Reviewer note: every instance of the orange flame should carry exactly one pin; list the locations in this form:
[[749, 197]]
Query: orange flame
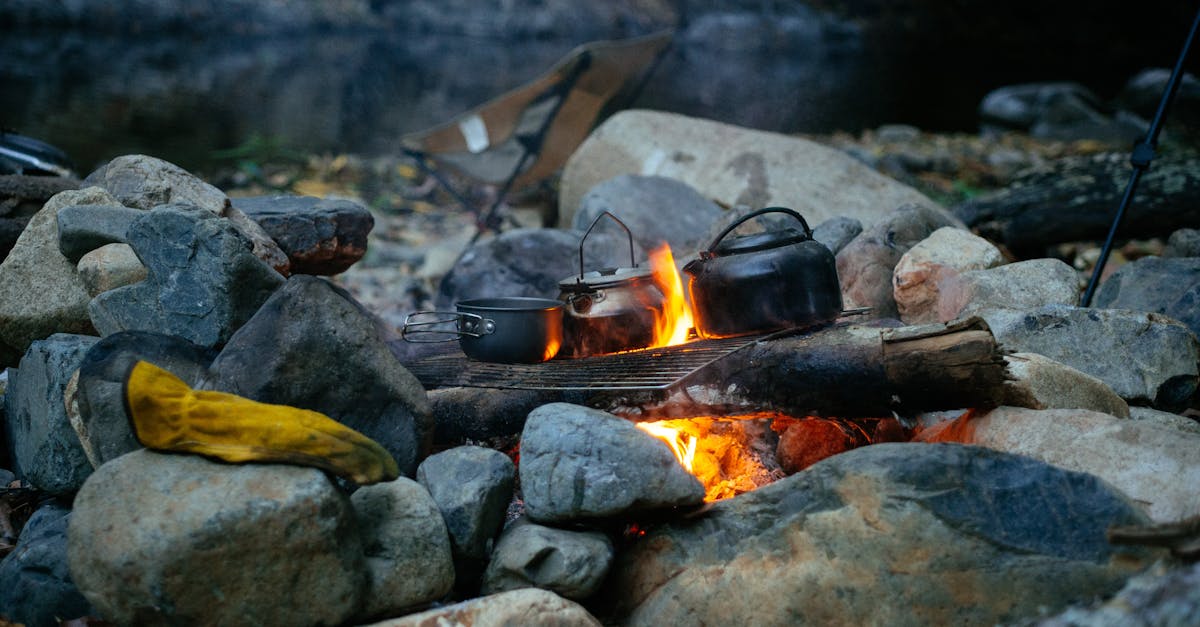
[[673, 324], [682, 444]]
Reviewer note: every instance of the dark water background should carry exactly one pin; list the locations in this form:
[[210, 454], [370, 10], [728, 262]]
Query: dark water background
[[185, 98]]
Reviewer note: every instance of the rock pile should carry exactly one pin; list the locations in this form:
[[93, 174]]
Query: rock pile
[[991, 515]]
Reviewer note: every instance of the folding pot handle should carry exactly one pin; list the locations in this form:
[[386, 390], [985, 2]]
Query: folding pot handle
[[628, 233], [708, 253], [466, 324]]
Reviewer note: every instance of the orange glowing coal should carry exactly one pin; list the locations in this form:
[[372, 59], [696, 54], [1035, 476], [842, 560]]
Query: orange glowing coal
[[717, 451], [675, 321]]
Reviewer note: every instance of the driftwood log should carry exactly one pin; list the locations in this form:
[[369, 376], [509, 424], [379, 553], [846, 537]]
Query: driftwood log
[[1075, 199], [847, 371]]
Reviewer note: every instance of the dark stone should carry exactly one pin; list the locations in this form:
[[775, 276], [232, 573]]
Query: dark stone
[[474, 414], [971, 536], [530, 262], [835, 233], [1063, 111], [37, 590], [46, 450], [204, 281], [1157, 285], [1183, 243], [571, 563], [656, 210], [323, 237], [312, 346], [84, 228], [472, 486], [106, 432]]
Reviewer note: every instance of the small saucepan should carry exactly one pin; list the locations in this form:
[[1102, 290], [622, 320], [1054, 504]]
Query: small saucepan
[[512, 329]]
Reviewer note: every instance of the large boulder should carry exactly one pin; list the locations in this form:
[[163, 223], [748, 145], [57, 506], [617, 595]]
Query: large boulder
[[36, 266], [894, 534], [733, 166], [529, 606], [1169, 286], [1157, 466], [579, 463], [176, 539], [45, 447], [204, 282], [656, 210], [311, 345], [1147, 359]]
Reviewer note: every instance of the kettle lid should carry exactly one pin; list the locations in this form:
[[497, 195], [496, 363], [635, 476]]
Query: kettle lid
[[602, 279], [758, 241]]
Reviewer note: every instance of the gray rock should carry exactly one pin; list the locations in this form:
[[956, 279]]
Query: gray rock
[[143, 182], [36, 266], [836, 232], [947, 252], [733, 166], [84, 228], [656, 210], [46, 450], [203, 283], [472, 487], [1155, 465], [972, 537], [1143, 92], [507, 609], [38, 591], [530, 262], [176, 539], [1166, 286], [1063, 111], [101, 421], [109, 267], [1183, 243], [1159, 596], [312, 346], [1144, 358], [318, 236], [579, 463], [1022, 285], [1166, 419], [407, 549], [865, 265], [569, 563], [1041, 383]]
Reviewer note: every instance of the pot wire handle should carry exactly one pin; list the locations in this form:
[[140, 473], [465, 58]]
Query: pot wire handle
[[468, 324], [708, 252], [628, 233]]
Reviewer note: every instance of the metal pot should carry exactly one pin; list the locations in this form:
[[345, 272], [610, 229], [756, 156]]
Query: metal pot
[[514, 329], [763, 282], [611, 309]]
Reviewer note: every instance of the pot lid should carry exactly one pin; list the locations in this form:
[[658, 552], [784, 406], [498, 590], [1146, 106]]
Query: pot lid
[[758, 241], [602, 279]]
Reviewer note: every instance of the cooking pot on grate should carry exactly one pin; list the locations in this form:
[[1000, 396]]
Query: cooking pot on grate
[[610, 309], [762, 282], [513, 329]]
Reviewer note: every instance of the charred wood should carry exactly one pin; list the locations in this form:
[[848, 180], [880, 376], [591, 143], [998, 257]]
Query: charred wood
[[1074, 199]]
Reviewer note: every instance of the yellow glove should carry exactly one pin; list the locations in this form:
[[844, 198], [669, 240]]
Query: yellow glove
[[168, 415]]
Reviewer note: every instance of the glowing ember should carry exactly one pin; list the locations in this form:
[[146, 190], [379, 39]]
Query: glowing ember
[[728, 455], [675, 321]]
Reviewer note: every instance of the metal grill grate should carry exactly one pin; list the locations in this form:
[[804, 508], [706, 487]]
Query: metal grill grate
[[645, 369]]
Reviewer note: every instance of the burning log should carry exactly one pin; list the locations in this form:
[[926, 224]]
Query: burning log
[[841, 371]]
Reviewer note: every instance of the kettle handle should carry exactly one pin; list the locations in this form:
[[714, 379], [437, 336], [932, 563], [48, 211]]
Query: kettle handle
[[708, 252], [627, 232]]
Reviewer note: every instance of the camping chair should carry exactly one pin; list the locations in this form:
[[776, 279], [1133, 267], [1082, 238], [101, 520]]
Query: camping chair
[[528, 133]]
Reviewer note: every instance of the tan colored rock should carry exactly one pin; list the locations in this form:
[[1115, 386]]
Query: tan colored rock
[[1022, 285], [733, 166], [529, 606], [109, 267], [1157, 466], [1042, 383], [41, 292], [947, 252]]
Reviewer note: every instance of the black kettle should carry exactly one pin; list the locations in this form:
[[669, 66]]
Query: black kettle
[[763, 282]]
